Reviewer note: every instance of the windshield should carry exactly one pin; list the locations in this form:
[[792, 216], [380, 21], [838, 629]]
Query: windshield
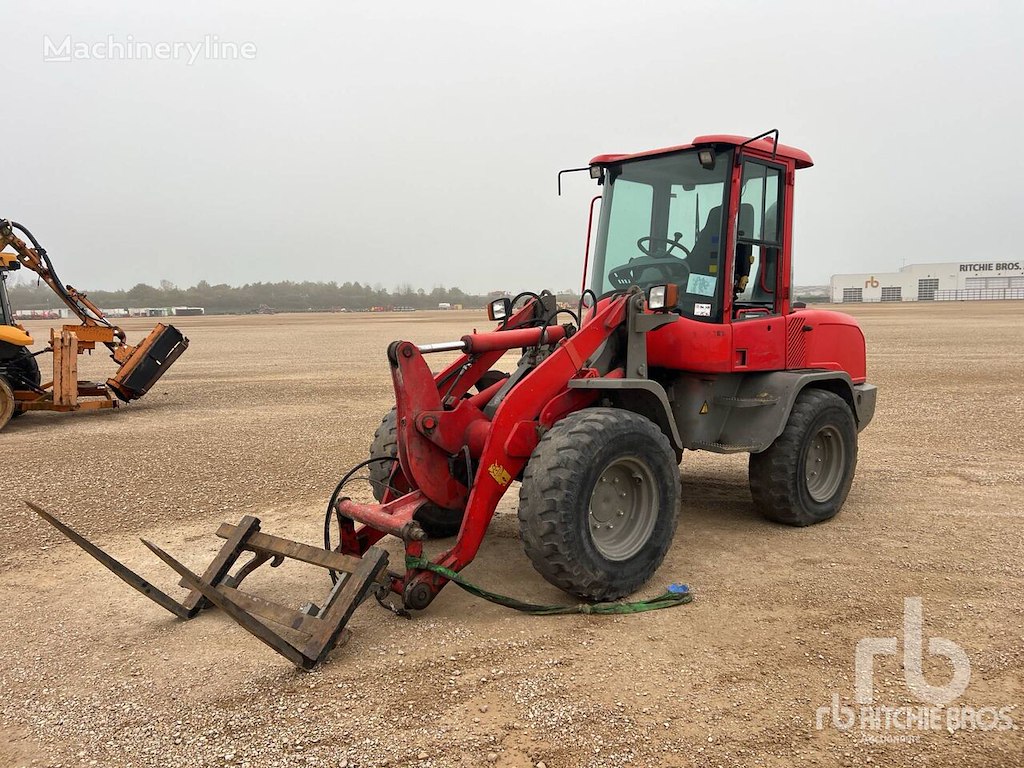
[[6, 316], [661, 222]]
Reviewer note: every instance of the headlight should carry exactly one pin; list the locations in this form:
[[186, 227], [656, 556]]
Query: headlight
[[663, 297], [499, 309]]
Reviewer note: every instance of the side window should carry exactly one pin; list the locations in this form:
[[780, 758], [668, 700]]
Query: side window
[[761, 192], [759, 235]]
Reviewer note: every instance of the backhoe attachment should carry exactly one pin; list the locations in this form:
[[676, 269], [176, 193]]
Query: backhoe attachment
[[139, 367]]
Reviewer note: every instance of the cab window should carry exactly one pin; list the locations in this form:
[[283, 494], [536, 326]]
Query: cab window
[[661, 222], [758, 237]]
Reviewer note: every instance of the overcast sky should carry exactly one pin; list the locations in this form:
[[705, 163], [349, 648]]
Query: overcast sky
[[414, 142]]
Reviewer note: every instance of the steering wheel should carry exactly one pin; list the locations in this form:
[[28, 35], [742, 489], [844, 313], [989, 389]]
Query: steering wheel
[[672, 270], [648, 250]]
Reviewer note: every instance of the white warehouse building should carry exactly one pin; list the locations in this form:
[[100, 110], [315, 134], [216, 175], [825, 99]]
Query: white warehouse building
[[957, 281]]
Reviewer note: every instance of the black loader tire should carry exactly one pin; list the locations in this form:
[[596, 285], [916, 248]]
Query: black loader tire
[[22, 368], [780, 480], [436, 522], [490, 378], [6, 402], [562, 508]]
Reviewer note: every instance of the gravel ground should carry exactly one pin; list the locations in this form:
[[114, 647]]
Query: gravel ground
[[264, 413]]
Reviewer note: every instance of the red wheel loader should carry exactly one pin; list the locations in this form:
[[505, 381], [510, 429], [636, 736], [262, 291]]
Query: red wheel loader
[[22, 388], [687, 339]]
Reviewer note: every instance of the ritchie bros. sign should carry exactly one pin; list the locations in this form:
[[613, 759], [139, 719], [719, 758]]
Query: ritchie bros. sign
[[992, 266]]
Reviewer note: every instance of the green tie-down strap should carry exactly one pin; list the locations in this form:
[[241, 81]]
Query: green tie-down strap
[[676, 594]]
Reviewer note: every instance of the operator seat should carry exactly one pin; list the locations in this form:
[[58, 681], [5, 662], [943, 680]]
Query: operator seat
[[708, 242], [707, 251], [707, 258]]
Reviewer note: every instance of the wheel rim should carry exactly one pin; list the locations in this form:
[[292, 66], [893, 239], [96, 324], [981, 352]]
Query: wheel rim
[[826, 458], [623, 508]]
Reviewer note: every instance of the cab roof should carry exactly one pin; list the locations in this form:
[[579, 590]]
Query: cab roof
[[801, 158]]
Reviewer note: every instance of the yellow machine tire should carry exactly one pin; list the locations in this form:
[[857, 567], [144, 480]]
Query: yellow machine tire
[[21, 368], [6, 403]]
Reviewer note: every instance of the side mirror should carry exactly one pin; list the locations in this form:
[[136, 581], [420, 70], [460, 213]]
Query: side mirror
[[499, 309]]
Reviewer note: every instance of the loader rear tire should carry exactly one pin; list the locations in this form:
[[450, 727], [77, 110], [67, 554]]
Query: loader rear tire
[[436, 522], [22, 368], [6, 402], [805, 475], [599, 502]]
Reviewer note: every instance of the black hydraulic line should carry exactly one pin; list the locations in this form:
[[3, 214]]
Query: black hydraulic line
[[512, 304], [575, 317], [60, 288], [583, 296], [457, 376], [334, 499]]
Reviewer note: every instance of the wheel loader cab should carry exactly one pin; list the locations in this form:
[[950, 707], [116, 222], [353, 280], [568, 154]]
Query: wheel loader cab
[[8, 261], [661, 222], [714, 218], [12, 335]]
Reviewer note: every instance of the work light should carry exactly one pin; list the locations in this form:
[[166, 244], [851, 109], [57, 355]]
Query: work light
[[663, 297], [499, 309]]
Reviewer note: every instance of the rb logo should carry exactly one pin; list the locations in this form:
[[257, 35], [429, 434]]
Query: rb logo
[[937, 695]]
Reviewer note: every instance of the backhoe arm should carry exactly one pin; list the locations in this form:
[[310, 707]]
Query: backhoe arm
[[36, 259]]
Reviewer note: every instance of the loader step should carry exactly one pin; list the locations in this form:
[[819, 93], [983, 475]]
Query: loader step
[[719, 447]]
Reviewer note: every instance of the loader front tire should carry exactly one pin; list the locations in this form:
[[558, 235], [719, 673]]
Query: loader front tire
[[598, 503], [436, 522], [805, 475]]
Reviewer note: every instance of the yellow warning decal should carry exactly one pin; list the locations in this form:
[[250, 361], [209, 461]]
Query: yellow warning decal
[[704, 408], [500, 474]]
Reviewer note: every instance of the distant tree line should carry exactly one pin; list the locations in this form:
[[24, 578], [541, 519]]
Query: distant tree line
[[284, 297]]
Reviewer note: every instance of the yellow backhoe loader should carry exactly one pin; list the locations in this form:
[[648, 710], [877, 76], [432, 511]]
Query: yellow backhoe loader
[[22, 388]]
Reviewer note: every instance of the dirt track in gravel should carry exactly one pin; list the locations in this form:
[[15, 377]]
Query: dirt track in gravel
[[264, 413]]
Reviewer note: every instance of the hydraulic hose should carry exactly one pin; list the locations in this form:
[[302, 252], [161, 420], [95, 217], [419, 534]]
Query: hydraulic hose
[[334, 500]]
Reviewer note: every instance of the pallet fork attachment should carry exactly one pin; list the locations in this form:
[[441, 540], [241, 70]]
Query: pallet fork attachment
[[318, 630]]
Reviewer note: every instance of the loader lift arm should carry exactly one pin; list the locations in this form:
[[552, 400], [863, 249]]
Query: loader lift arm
[[435, 411], [429, 427]]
